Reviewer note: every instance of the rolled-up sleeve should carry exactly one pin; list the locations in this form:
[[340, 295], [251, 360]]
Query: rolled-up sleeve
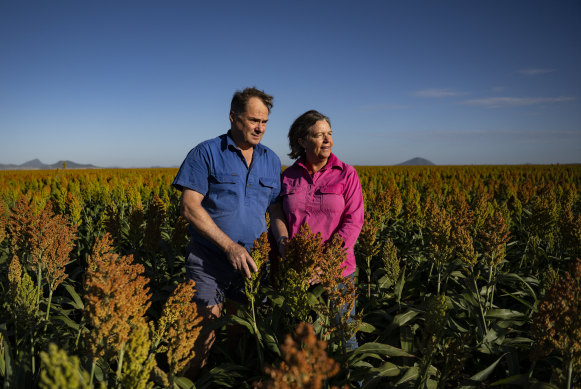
[[353, 215], [194, 171]]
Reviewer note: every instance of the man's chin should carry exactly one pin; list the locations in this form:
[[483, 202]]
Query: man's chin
[[254, 141]]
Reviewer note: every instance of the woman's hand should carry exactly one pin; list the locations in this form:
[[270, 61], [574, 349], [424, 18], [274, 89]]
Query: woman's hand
[[281, 244], [315, 278]]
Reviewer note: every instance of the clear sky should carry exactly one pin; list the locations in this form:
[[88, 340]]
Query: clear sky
[[139, 83]]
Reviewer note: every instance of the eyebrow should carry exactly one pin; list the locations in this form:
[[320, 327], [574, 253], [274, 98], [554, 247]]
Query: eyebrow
[[257, 119]]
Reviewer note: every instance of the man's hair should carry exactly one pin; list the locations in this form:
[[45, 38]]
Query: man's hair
[[240, 99], [300, 129]]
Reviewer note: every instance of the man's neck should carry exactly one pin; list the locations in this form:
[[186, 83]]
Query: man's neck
[[246, 150], [239, 142]]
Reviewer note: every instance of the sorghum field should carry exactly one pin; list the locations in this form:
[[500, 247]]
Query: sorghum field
[[467, 277]]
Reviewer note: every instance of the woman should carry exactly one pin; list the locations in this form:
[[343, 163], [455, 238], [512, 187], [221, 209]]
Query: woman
[[318, 189]]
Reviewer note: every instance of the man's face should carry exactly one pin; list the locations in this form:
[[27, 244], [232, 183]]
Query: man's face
[[249, 127]]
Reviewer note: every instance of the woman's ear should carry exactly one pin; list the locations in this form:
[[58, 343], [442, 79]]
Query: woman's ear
[[301, 142]]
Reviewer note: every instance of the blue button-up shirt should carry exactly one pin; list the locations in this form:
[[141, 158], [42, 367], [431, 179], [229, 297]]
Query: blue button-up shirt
[[235, 196]]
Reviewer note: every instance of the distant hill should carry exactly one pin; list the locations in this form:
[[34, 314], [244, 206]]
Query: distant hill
[[417, 162], [36, 164]]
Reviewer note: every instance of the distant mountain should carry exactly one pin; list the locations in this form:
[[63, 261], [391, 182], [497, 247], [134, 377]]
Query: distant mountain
[[36, 164], [417, 162]]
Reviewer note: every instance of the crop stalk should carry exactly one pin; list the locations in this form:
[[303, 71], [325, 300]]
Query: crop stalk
[[38, 283], [489, 295], [368, 260], [258, 348], [570, 374], [48, 308], [93, 365], [480, 306], [120, 363]]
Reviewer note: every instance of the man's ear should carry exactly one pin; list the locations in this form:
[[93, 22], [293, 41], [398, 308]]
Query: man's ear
[[232, 116]]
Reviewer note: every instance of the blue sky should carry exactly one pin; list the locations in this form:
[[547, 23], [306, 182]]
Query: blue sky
[[139, 83]]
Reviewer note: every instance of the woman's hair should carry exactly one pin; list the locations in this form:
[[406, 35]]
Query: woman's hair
[[240, 100], [300, 129]]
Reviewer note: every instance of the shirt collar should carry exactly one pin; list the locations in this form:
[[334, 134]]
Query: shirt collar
[[333, 162], [228, 142]]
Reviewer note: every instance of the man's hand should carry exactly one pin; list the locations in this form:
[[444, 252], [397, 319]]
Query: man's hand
[[193, 211], [241, 259]]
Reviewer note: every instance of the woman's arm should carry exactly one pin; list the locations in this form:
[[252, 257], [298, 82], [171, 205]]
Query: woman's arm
[[353, 215], [278, 226]]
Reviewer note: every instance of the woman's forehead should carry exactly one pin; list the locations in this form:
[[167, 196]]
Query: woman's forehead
[[320, 126]]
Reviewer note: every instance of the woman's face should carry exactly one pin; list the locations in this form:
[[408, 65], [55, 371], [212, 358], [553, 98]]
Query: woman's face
[[318, 143]]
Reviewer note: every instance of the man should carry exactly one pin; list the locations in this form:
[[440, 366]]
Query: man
[[227, 184]]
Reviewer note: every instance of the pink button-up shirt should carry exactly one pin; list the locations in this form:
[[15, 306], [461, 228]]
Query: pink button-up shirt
[[330, 201]]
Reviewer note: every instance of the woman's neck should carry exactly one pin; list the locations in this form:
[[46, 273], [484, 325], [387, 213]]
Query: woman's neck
[[315, 166]]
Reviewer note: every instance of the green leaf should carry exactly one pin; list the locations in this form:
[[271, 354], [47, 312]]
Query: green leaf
[[366, 327], [65, 319], [399, 285], [377, 350], [361, 364], [185, 383], [403, 318], [76, 298], [524, 302], [388, 369], [5, 360], [504, 314], [238, 320], [385, 282], [406, 339], [277, 301], [410, 374], [479, 377], [517, 341], [526, 282], [519, 379], [457, 327], [271, 344], [471, 298], [226, 375]]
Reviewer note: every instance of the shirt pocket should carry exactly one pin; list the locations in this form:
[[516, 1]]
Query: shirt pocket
[[293, 198], [287, 189], [224, 191], [265, 188], [331, 198]]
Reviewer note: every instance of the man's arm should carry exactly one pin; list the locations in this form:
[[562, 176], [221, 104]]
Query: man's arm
[[193, 212]]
